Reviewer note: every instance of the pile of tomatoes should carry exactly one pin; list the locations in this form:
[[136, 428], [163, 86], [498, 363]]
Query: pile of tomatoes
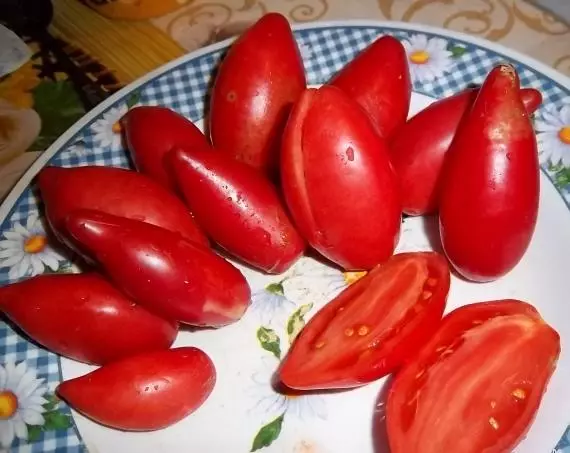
[[283, 168]]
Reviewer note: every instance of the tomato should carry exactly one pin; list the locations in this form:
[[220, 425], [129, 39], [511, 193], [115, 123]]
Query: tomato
[[470, 389], [370, 328], [378, 78], [259, 79], [116, 191], [143, 392], [490, 183], [151, 131], [418, 148], [83, 317], [239, 208], [162, 271], [338, 182]]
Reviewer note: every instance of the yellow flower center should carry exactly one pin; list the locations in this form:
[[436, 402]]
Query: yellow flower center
[[117, 128], [8, 404], [35, 244], [564, 135], [354, 276], [419, 57]]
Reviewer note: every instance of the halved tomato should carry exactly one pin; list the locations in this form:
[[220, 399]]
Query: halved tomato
[[370, 328], [476, 385]]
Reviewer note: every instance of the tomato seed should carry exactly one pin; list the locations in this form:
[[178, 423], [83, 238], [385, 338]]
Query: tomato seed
[[349, 332], [431, 282], [426, 295], [493, 404], [519, 394], [494, 423], [363, 330], [319, 345]]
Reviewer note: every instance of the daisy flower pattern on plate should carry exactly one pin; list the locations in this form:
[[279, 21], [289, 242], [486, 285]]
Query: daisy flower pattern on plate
[[270, 303], [21, 402], [553, 134], [107, 129], [428, 58], [26, 251]]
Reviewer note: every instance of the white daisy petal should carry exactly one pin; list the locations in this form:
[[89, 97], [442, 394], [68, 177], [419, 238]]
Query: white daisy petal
[[36, 399], [13, 236], [18, 228], [49, 259], [12, 260], [20, 428], [23, 266], [319, 406], [542, 126], [13, 273], [32, 417], [565, 115], [15, 374], [8, 252], [6, 433], [36, 264], [3, 378], [552, 118]]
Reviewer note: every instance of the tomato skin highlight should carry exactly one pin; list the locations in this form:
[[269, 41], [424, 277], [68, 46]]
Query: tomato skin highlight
[[490, 186], [326, 166], [372, 327], [150, 132], [162, 271], [103, 320], [378, 78], [472, 374], [258, 81], [418, 148], [238, 207], [116, 191], [144, 392]]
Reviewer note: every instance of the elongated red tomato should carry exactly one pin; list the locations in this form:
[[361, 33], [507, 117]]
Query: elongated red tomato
[[238, 207], [338, 181], [378, 79], [116, 191], [259, 79], [143, 392], [418, 148], [83, 317], [490, 185], [162, 271], [372, 327], [151, 131], [470, 389]]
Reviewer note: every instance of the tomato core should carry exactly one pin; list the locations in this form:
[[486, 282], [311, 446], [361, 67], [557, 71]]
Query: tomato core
[[8, 404], [35, 244], [564, 135], [419, 57]]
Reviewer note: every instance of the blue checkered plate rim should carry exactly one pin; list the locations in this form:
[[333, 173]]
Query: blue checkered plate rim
[[45, 424]]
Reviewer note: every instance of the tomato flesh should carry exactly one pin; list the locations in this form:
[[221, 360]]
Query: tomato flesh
[[471, 389], [369, 329]]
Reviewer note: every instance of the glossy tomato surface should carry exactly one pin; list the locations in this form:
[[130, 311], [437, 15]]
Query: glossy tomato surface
[[238, 207], [83, 317], [378, 78], [162, 271], [116, 191], [418, 148], [258, 81], [151, 132], [338, 181], [476, 385], [490, 186], [372, 327], [143, 392]]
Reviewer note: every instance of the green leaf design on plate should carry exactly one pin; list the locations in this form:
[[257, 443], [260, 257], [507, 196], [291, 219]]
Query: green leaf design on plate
[[268, 433], [133, 99], [52, 402], [269, 341], [64, 268], [56, 420], [296, 321], [58, 106], [276, 288], [34, 433], [561, 175], [456, 51]]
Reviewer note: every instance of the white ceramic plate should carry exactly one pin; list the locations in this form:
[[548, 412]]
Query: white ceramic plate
[[243, 404]]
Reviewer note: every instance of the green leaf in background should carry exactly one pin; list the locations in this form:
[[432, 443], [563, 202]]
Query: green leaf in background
[[133, 99], [56, 420], [561, 174], [269, 341], [58, 106], [34, 433], [456, 51], [268, 434], [52, 402], [296, 321]]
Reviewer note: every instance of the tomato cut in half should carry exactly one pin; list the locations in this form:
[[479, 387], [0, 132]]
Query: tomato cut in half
[[476, 385], [372, 327]]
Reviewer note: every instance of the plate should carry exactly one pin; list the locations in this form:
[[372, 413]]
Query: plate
[[243, 404]]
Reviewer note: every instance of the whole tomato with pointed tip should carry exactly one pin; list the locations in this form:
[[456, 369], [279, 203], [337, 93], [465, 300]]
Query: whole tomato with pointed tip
[[162, 271], [338, 181], [83, 317], [419, 147], [143, 392], [117, 191], [378, 78], [490, 186], [238, 207], [151, 131], [257, 83]]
